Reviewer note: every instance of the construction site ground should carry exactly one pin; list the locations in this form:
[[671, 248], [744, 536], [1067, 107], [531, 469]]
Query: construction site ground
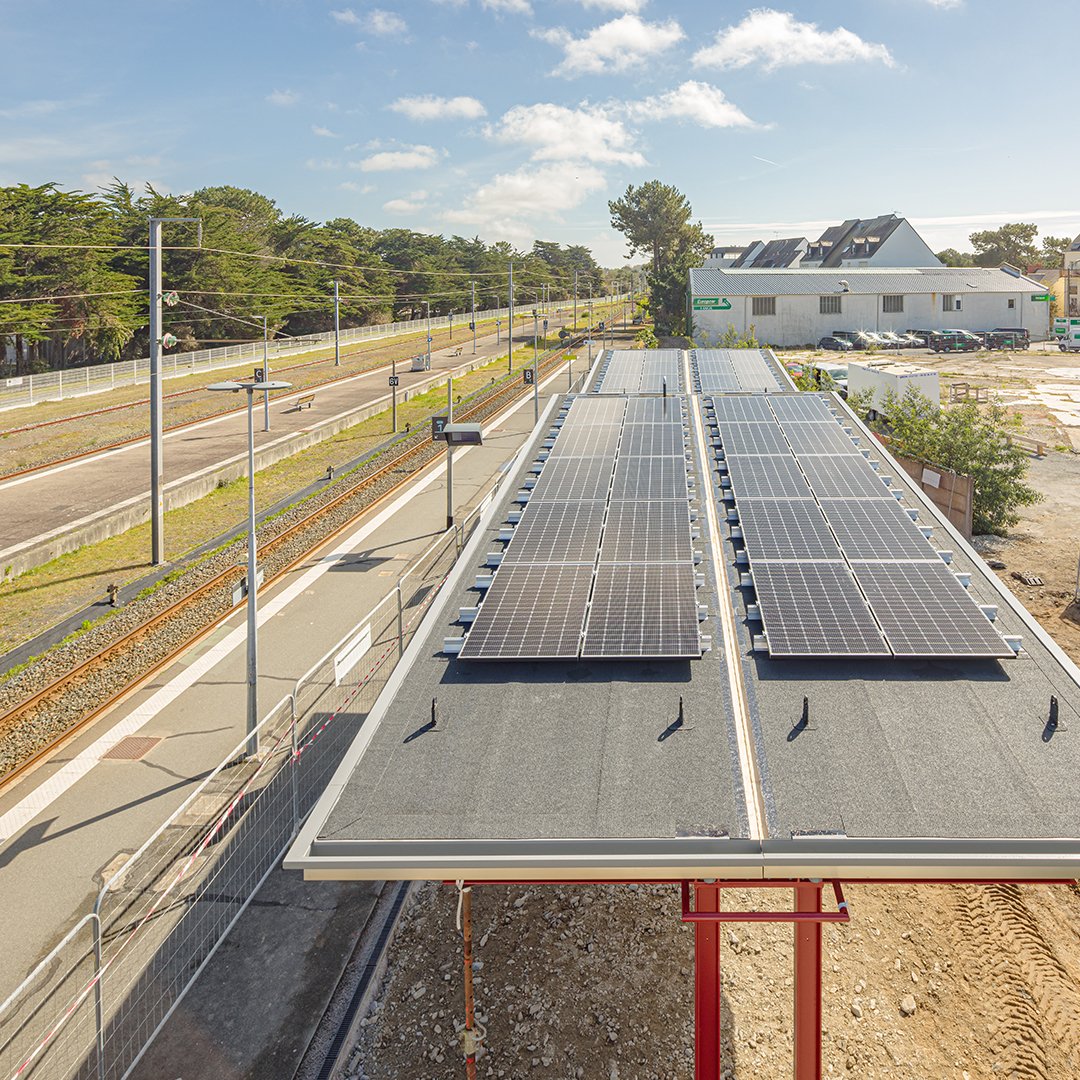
[[597, 982]]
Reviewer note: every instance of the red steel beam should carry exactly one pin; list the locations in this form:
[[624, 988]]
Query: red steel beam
[[698, 914], [707, 988], [808, 981]]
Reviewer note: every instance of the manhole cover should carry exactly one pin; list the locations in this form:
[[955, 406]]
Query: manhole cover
[[131, 749]]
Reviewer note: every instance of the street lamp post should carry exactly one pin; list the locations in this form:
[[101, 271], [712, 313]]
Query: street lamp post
[[266, 378], [427, 308], [252, 580]]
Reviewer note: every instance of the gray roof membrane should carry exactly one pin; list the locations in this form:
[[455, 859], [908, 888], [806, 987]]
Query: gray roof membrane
[[935, 769]]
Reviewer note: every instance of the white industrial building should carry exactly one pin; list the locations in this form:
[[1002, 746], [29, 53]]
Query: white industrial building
[[800, 306]]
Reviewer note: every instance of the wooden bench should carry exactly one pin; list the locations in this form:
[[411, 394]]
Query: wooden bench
[[1034, 446], [306, 399], [457, 351]]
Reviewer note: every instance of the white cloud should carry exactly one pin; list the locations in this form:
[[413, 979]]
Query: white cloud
[[514, 7], [616, 5], [323, 132], [697, 101], [283, 97], [385, 23], [322, 164], [946, 3], [412, 157], [377, 21], [430, 107], [505, 203], [411, 204], [616, 46], [776, 39], [556, 133], [352, 185]]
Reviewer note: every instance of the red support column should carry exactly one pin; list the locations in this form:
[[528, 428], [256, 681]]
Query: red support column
[[707, 985], [808, 984]]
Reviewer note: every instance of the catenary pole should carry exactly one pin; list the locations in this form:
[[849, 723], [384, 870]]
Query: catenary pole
[[266, 377], [157, 467], [510, 323], [337, 326], [474, 318]]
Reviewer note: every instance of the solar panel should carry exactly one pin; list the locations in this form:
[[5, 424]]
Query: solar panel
[[785, 530], [848, 476], [653, 440], [661, 410], [595, 411], [753, 439], [742, 410], [803, 408], [925, 611], [753, 370], [556, 532], [818, 439], [659, 372], [720, 370], [767, 477], [531, 612], [641, 479], [643, 610], [574, 478], [875, 529], [815, 609], [650, 532], [586, 440]]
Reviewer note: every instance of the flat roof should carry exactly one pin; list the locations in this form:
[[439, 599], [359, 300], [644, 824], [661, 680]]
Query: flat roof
[[930, 769]]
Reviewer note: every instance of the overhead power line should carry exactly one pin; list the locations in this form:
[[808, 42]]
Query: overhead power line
[[71, 296]]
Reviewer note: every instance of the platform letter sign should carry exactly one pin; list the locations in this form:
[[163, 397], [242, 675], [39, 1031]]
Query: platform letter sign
[[394, 380], [437, 425], [259, 375], [529, 375]]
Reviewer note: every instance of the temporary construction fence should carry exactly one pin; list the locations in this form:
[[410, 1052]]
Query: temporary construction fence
[[91, 1008], [98, 378]]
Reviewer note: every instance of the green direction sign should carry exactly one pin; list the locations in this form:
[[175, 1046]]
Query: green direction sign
[[711, 303], [1043, 298]]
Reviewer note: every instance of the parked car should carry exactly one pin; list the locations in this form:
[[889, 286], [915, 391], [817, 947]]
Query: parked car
[[847, 335], [830, 376], [1007, 339], [892, 341], [868, 339], [1019, 331], [954, 341], [923, 336], [835, 344]]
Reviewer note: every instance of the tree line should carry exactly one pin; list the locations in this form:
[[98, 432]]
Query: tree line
[[87, 253], [1014, 244]]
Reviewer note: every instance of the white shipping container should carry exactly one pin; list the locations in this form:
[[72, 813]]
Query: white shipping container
[[881, 376]]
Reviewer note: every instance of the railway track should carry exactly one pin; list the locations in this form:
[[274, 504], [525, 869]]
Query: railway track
[[56, 706]]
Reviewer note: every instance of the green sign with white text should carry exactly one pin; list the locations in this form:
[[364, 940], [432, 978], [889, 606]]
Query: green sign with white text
[[1044, 298], [711, 303]]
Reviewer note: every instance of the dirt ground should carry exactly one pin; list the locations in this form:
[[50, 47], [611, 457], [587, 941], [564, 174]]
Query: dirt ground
[[597, 982]]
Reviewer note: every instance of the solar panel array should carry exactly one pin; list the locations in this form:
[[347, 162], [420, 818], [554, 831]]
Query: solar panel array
[[601, 563], [640, 371], [838, 566], [717, 371]]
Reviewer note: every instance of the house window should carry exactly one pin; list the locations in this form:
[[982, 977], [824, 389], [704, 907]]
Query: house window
[[829, 305], [892, 305], [1012, 305], [763, 305], [949, 302]]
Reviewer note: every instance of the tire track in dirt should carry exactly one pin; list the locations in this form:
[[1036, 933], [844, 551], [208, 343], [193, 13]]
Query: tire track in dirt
[[1037, 1000]]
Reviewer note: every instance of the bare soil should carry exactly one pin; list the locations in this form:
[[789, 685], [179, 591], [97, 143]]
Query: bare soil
[[597, 982]]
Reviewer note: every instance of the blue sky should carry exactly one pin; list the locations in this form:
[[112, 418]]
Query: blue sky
[[519, 119]]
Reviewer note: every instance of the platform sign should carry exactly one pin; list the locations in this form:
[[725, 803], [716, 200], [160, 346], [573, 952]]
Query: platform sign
[[351, 655], [394, 380], [529, 375], [259, 375], [438, 423], [711, 303]]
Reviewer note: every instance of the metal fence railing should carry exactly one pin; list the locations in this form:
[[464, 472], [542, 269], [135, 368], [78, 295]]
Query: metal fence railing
[[90, 1009], [97, 378]]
